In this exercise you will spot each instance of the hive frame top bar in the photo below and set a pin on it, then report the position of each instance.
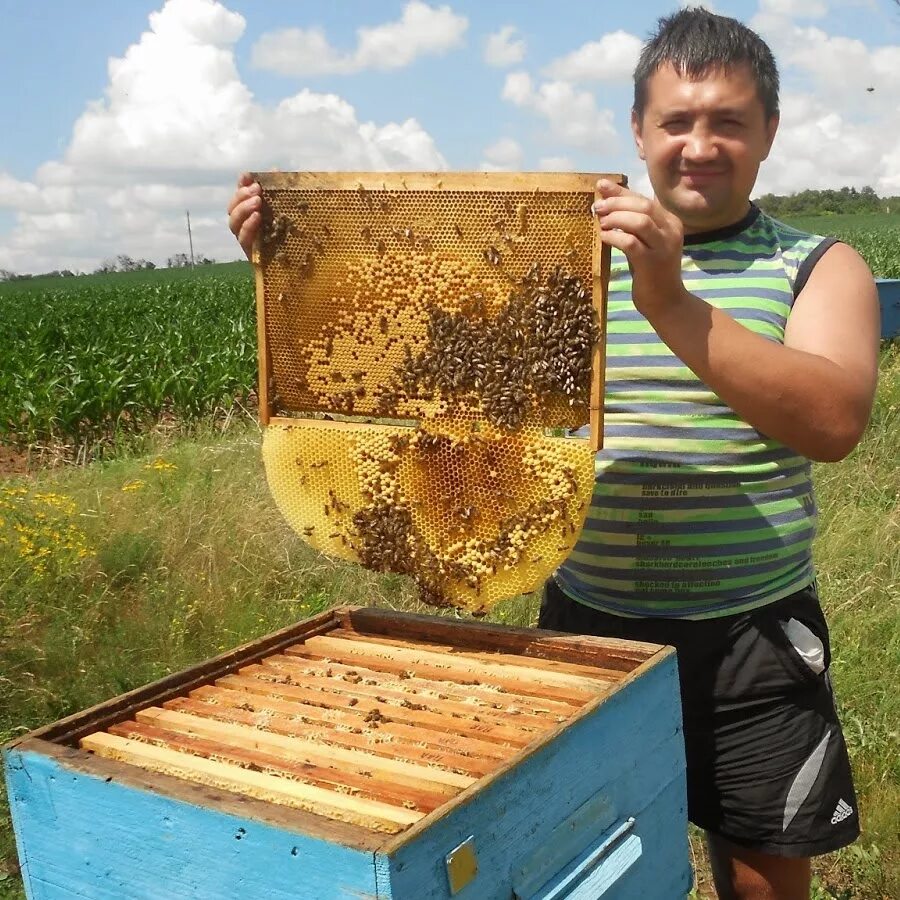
(429, 181)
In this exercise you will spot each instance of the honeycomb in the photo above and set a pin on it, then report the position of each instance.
(421, 343)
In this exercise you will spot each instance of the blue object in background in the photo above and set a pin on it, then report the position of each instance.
(889, 298)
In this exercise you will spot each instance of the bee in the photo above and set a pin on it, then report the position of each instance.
(522, 212)
(457, 229)
(493, 256)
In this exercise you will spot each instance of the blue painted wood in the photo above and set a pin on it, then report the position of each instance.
(604, 877)
(596, 869)
(630, 750)
(663, 870)
(889, 298)
(84, 837)
(587, 826)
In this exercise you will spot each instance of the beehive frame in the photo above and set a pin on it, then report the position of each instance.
(376, 192)
(424, 341)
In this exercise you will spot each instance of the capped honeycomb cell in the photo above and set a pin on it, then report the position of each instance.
(423, 337)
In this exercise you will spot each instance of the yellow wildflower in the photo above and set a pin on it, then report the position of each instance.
(131, 486)
(161, 465)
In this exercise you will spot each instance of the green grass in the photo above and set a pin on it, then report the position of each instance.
(154, 563)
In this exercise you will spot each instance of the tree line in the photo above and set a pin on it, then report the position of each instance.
(847, 200)
(120, 263)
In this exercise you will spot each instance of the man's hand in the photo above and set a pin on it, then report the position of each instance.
(244, 212)
(651, 237)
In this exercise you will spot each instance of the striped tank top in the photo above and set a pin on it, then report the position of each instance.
(696, 514)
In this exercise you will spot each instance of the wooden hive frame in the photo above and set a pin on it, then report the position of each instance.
(366, 183)
(170, 737)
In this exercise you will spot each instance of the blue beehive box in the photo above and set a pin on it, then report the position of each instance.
(368, 754)
(889, 299)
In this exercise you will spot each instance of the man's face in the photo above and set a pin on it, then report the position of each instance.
(703, 142)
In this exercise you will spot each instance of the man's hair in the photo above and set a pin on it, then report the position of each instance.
(696, 42)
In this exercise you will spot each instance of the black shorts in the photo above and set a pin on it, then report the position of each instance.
(767, 766)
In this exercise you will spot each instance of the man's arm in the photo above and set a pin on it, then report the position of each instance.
(813, 393)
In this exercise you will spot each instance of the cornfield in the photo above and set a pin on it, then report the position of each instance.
(83, 360)
(80, 364)
(876, 238)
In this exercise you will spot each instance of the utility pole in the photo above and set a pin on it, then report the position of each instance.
(190, 238)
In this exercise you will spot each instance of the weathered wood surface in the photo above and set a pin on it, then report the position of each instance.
(201, 738)
(550, 182)
(90, 838)
(611, 653)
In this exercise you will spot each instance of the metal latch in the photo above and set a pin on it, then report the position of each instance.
(462, 865)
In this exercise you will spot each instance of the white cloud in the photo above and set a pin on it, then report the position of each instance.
(794, 9)
(775, 16)
(556, 164)
(834, 130)
(502, 156)
(708, 6)
(422, 30)
(819, 147)
(844, 66)
(572, 114)
(612, 58)
(175, 127)
(502, 50)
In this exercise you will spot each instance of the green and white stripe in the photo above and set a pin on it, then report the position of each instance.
(696, 514)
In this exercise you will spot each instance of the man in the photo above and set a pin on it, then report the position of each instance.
(738, 350)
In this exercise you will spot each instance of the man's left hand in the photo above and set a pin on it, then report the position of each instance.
(651, 237)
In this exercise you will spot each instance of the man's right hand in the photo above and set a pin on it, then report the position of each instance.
(244, 212)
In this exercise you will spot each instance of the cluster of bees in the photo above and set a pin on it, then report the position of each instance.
(538, 345)
(475, 502)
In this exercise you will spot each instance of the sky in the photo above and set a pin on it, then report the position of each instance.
(123, 115)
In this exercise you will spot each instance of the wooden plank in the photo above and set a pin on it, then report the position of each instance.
(525, 680)
(244, 697)
(484, 695)
(600, 265)
(512, 659)
(264, 357)
(382, 744)
(574, 698)
(390, 709)
(367, 813)
(118, 709)
(611, 653)
(279, 762)
(253, 738)
(400, 690)
(550, 182)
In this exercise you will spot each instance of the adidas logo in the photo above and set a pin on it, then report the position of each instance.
(841, 812)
